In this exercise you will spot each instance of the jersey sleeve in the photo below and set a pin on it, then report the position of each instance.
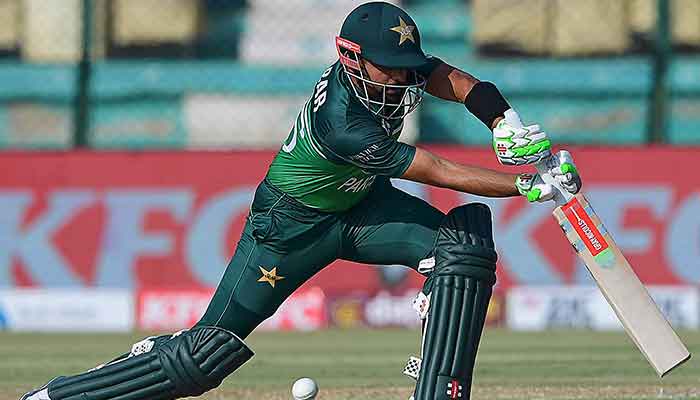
(366, 145)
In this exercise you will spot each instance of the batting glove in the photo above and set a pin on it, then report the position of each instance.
(562, 168)
(517, 145)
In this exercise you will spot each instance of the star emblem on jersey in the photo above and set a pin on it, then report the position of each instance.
(406, 31)
(270, 276)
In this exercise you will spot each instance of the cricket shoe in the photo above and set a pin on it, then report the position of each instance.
(39, 394)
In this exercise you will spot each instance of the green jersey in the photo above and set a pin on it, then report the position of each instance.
(336, 148)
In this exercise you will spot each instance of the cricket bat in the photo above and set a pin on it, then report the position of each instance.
(634, 307)
(621, 287)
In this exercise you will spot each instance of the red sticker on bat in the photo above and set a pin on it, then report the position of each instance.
(584, 226)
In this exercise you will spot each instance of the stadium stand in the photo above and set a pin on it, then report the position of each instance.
(685, 28)
(154, 21)
(9, 26)
(223, 23)
(43, 23)
(295, 33)
(556, 28)
(202, 73)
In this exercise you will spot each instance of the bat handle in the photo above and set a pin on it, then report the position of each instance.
(561, 195)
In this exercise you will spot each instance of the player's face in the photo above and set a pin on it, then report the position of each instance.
(386, 76)
(386, 92)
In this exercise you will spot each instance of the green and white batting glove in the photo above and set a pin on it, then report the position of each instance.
(518, 145)
(562, 168)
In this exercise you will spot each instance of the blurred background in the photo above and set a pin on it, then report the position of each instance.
(137, 237)
(184, 74)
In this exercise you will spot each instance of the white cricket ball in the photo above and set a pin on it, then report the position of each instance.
(304, 389)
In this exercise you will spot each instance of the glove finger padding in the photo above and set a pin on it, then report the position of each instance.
(565, 157)
(517, 145)
(534, 188)
(465, 272)
(565, 172)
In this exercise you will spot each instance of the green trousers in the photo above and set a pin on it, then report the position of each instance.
(284, 243)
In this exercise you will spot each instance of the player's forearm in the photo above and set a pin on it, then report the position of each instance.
(450, 83)
(432, 170)
(474, 180)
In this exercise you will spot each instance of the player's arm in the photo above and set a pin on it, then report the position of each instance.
(450, 83)
(514, 145)
(430, 169)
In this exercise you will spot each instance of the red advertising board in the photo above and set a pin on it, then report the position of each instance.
(170, 309)
(160, 220)
(175, 309)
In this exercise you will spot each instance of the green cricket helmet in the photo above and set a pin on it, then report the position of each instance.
(387, 36)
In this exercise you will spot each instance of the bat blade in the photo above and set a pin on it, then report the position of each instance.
(640, 316)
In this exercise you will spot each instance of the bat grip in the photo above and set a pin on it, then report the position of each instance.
(561, 195)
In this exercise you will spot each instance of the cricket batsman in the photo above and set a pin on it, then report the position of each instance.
(327, 196)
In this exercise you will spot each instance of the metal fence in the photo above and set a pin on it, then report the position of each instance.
(232, 73)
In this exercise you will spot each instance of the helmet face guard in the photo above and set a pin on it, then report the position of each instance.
(380, 105)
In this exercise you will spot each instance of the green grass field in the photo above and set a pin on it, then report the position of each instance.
(367, 364)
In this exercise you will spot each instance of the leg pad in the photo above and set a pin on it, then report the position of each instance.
(460, 289)
(164, 367)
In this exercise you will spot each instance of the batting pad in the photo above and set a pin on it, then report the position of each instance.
(161, 368)
(460, 293)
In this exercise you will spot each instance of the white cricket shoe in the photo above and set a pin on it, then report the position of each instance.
(42, 394)
(39, 394)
